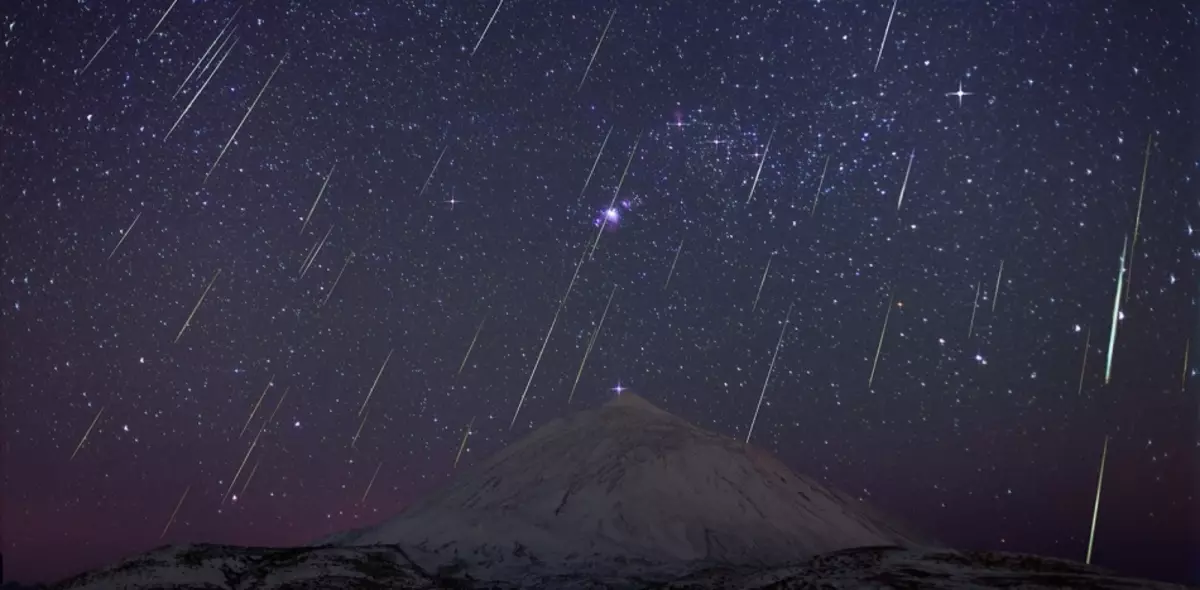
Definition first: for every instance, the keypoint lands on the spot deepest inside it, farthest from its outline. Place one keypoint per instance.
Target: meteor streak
(535, 366)
(1112, 335)
(202, 86)
(885, 34)
(762, 161)
(472, 346)
(164, 17)
(485, 29)
(338, 279)
(591, 343)
(377, 376)
(1186, 349)
(316, 250)
(597, 49)
(364, 498)
(762, 282)
(105, 44)
(185, 491)
(246, 116)
(1096, 507)
(1087, 345)
(769, 370)
(434, 170)
(904, 186)
(354, 441)
(463, 444)
(124, 235)
(206, 52)
(88, 432)
(974, 308)
(201, 300)
(673, 263)
(604, 218)
(270, 382)
(596, 162)
(252, 445)
(996, 294)
(878, 348)
(1137, 223)
(820, 184)
(318, 199)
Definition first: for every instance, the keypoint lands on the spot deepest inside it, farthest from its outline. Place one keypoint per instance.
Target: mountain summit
(627, 483)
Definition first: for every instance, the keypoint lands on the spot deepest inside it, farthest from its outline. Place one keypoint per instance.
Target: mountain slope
(628, 483)
(378, 567)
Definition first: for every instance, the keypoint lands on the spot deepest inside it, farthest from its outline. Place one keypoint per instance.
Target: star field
(462, 177)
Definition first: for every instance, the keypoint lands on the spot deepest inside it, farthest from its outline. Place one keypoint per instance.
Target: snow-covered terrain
(625, 496)
(377, 567)
(628, 483)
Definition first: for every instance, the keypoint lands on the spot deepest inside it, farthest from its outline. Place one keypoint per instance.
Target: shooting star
(562, 302)
(338, 279)
(535, 366)
(769, 370)
(1087, 346)
(317, 200)
(974, 308)
(1112, 335)
(596, 162)
(904, 186)
(763, 160)
(1137, 223)
(597, 49)
(253, 411)
(202, 87)
(363, 408)
(591, 343)
(253, 470)
(472, 346)
(1186, 349)
(673, 263)
(485, 29)
(124, 235)
(885, 34)
(878, 348)
(86, 434)
(206, 52)
(354, 441)
(820, 184)
(188, 322)
(160, 21)
(762, 282)
(434, 171)
(1096, 506)
(996, 293)
(246, 116)
(105, 44)
(364, 498)
(317, 250)
(463, 444)
(253, 444)
(604, 218)
(177, 506)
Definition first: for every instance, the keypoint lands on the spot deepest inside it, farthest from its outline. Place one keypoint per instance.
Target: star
(619, 389)
(960, 94)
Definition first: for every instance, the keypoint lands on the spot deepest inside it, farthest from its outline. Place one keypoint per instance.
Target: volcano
(627, 484)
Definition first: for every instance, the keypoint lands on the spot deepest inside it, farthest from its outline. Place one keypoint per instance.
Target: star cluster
(281, 320)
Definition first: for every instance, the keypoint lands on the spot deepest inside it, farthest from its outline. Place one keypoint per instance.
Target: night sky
(459, 183)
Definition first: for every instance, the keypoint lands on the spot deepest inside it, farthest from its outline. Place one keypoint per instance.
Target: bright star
(960, 94)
